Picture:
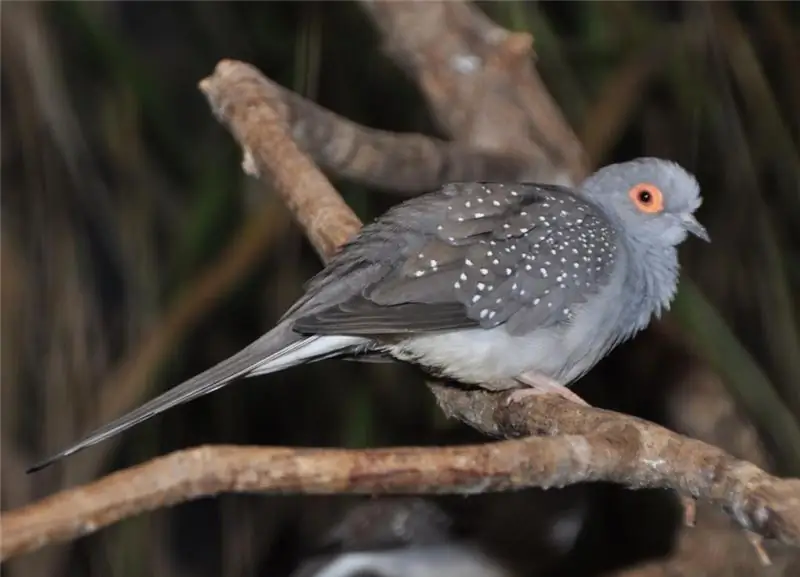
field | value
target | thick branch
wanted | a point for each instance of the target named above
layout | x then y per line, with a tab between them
592	445
236	95
406	163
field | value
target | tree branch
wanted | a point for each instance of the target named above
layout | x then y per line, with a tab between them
591	445
406	163
236	93
479	83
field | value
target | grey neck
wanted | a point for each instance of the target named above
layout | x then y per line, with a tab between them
653	276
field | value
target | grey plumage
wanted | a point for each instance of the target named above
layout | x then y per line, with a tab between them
524	262
483	282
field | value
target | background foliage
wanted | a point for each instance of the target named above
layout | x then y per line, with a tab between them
135	253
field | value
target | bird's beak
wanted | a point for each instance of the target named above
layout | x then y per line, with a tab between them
691	225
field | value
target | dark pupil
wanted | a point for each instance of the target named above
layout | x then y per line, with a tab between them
645	196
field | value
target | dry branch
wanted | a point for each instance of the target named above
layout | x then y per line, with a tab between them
405	163
605	447
577	444
237	96
478	81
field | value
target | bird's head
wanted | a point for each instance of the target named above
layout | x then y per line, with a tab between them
652	199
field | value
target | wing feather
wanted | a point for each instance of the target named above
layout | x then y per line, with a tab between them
520	255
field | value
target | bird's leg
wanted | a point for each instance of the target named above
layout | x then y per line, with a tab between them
689	511
539	384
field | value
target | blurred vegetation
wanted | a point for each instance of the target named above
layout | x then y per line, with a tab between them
135	253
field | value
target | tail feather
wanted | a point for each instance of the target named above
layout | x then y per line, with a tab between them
273	352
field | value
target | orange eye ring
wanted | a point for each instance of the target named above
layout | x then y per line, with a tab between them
647	198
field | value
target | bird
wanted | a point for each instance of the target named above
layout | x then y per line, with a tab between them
499	285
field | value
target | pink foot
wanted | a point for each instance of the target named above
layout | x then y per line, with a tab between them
540	385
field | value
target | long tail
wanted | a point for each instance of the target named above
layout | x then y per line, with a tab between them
277	350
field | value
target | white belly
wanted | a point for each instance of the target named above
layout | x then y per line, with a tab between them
478	356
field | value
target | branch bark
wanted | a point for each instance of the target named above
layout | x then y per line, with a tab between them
478	81
590	445
394	162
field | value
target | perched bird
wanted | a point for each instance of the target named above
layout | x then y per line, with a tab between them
489	284
398	538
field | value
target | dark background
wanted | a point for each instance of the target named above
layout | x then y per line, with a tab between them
135	253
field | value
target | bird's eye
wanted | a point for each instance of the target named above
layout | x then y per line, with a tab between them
647	198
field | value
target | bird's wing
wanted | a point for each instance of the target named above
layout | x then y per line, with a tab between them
516	254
